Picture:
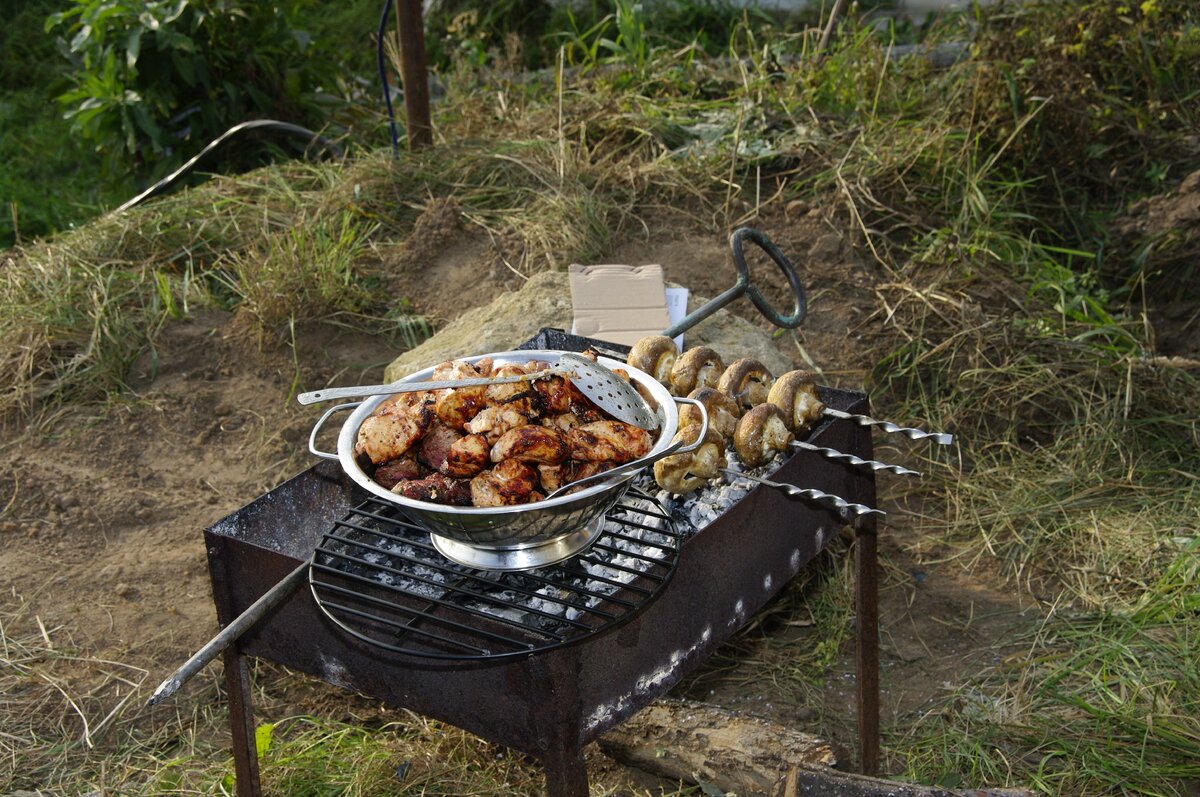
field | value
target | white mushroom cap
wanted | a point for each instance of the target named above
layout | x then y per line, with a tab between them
760	434
796	394
747	381
656	355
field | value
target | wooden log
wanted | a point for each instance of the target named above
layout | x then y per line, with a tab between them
702	743
752	757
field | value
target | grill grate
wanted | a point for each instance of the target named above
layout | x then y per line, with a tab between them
378	577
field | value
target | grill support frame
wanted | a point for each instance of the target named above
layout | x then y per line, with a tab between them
552	704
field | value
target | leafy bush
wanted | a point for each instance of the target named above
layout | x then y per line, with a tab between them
149	77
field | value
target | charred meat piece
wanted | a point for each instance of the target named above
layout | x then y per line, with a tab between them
540	445
608	441
501	394
468	455
386	436
555	476
557	394
398	470
436	488
493	422
510	482
563	422
435	446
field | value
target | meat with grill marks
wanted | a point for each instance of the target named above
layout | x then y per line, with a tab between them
435	446
389	434
536	444
493	422
436	488
510	482
608	441
468	456
406	467
571	470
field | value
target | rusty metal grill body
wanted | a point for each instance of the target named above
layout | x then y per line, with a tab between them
547	704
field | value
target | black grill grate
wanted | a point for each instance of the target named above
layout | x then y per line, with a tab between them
378	577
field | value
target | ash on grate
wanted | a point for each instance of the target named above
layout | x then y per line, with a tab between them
698	509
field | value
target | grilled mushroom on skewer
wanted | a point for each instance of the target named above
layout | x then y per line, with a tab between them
796	394
723	412
655	355
760	434
683	473
747	381
695	368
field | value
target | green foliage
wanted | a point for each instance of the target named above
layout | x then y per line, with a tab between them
154	81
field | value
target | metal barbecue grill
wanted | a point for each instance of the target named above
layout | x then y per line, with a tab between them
380	579
543	662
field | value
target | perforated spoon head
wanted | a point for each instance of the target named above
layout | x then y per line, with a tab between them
608	391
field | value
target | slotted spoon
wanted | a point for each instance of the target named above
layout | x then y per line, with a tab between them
604	387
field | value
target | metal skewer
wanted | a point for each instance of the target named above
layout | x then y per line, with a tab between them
833	453
857	510
912	434
229	634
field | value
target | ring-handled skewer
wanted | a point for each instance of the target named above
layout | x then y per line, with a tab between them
851	459
808	493
912	434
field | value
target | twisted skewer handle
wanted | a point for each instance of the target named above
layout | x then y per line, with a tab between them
873	464
887	426
846	507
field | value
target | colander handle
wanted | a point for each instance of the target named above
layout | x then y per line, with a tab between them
312	436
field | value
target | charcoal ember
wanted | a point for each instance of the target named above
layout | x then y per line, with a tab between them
398	470
436	488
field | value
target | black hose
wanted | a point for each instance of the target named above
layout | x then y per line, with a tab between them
387	92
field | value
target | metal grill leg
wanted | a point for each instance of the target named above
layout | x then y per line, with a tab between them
566	773
867	624
241	724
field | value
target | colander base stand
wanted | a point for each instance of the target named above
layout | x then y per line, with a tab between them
529	557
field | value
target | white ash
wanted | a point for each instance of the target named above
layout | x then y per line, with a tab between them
697	509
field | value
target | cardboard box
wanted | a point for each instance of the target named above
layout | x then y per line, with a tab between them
619	304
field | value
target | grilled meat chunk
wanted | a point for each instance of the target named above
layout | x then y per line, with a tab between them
501	394
435	446
537	444
608	441
510	482
468	455
493	422
436	488
387	435
563	422
398	470
555	476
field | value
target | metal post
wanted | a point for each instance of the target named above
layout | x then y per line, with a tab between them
241	724
414	72
866	596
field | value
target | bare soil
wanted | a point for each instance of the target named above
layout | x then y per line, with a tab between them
100	533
